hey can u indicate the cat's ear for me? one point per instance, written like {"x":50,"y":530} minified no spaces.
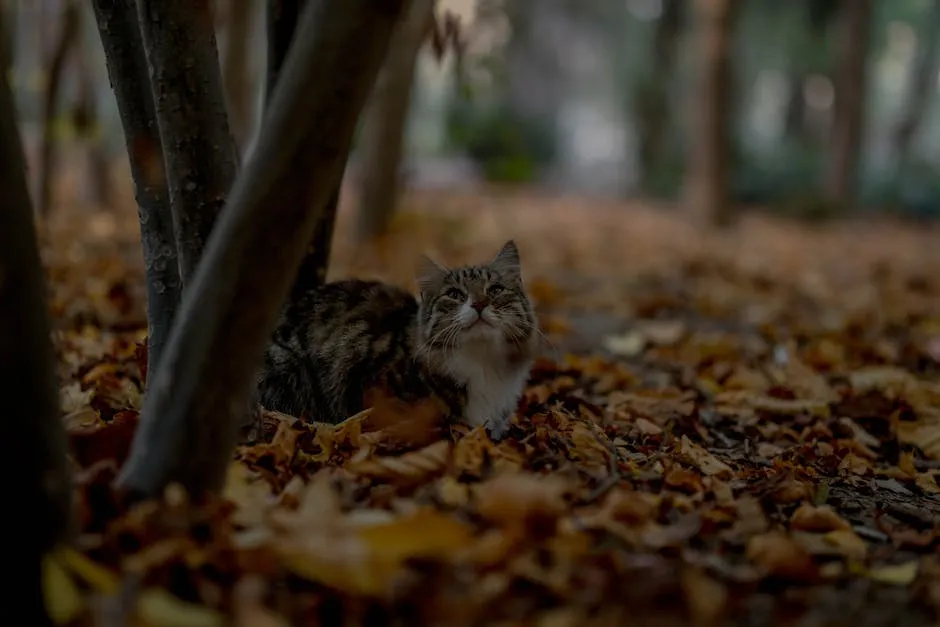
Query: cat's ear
{"x":507,"y":261}
{"x":429,"y":275}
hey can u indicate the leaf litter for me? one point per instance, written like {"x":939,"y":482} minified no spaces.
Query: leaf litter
{"x":725,"y":429}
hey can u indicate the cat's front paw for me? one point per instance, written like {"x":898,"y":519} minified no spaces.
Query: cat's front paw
{"x":498,"y":429}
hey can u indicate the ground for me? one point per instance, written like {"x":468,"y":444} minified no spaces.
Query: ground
{"x":736,"y":428}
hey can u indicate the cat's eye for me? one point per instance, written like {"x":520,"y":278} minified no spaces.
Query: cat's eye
{"x":454,"y":292}
{"x":495,"y":289}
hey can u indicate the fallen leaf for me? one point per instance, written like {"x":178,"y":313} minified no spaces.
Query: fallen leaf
{"x":159,"y":608}
{"x":895,"y":574}
{"x":820,"y":518}
{"x":778,"y":554}
{"x":705,"y":461}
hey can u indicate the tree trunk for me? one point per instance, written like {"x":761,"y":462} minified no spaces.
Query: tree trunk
{"x":652,"y":93}
{"x":283,"y":16}
{"x":385,"y":122}
{"x":919,"y":89}
{"x":708,"y":171}
{"x":35,"y":458}
{"x":127,"y":69}
{"x":193,"y":412}
{"x":848,"y":118}
{"x":68,"y":35}
{"x":9,"y":18}
{"x":199,"y":153}
{"x":238,"y":92}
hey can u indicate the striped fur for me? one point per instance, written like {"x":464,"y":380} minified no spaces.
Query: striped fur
{"x":469,"y":342}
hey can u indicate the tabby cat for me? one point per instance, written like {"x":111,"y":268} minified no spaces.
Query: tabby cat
{"x":468,"y":342}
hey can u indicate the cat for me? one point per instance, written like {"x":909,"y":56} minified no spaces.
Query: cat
{"x":469,"y":342}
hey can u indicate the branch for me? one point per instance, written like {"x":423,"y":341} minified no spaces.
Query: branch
{"x":196,"y":403}
{"x":199,"y":153}
{"x":68,"y":34}
{"x":130,"y":80}
{"x":30,"y":423}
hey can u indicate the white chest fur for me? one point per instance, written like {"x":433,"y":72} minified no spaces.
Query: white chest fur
{"x":493,"y":385}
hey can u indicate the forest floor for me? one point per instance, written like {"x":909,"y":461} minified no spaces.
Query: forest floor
{"x":726,"y":429}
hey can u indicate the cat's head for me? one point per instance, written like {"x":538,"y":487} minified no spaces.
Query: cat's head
{"x":470,"y":306}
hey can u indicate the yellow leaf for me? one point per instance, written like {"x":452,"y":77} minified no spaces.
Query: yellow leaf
{"x":63,"y":600}
{"x":425,"y":533}
{"x":98,"y":577}
{"x":159,"y":608}
{"x":848,"y":543}
{"x":896,"y":574}
{"x":249,"y":492}
{"x":366,"y":559}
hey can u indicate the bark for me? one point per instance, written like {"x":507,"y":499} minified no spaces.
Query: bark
{"x":653,"y":93}
{"x":127,"y":70}
{"x":709,"y":167}
{"x":848,"y":119}
{"x":385,"y":123}
{"x":919,"y":88}
{"x":199,"y":154}
{"x":235,"y":74}
{"x":68,"y":35}
{"x":282,"y":16}
{"x":193,"y":413}
{"x":31,"y":426}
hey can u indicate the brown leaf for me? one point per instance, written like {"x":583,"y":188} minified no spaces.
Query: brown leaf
{"x":778,"y":554}
{"x":705,"y":461}
{"x":823,"y":518}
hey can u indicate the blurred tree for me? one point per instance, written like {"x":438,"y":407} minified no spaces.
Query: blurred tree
{"x":129,"y":75}
{"x":382,"y":138}
{"x":651,"y":94}
{"x":848,"y":117}
{"x":236,"y":75}
{"x":707,"y":182}
{"x":9,"y":17}
{"x":923,"y":71}
{"x":808,"y":57}
{"x":31,"y":423}
{"x":69,"y":32}
{"x":191,"y":414}
{"x":84,"y":118}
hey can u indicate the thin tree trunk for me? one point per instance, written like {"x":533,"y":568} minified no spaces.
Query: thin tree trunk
{"x":282,"y":17}
{"x":97,"y":178}
{"x":238,"y":90}
{"x":193,"y":412}
{"x":385,"y":123}
{"x":127,"y":69}
{"x":10,"y":19}
{"x":919,"y":89}
{"x":68,"y":35}
{"x":848,"y":118}
{"x":199,"y":153}
{"x":652,"y":94}
{"x":30,"y":425}
{"x":708,"y":171}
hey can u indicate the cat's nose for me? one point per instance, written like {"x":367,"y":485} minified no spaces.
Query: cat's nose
{"x":480,"y":305}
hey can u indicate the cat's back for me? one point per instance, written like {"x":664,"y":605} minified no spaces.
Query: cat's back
{"x":351,"y":311}
{"x":331,"y":344}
